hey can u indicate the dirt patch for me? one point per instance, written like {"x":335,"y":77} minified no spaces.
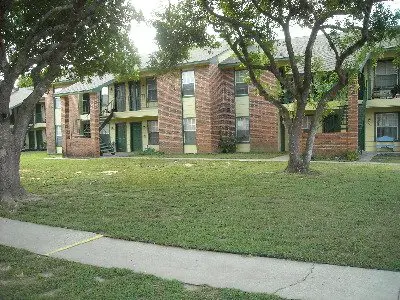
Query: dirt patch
{"x":46,"y":274}
{"x":51,"y":294}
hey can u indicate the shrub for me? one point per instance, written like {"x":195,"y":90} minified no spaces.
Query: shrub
{"x":150,"y":151}
{"x":227,"y":144}
{"x":352,"y":156}
{"x":345,"y":156}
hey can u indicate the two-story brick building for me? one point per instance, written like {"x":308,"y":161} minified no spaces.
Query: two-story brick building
{"x":189,"y":110}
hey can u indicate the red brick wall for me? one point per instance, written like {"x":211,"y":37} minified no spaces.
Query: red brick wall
{"x":95,"y":123}
{"x":170,"y":112}
{"x":264,"y":119}
{"x":79,"y":146}
{"x":223,"y":104}
{"x":50,"y":127}
{"x":204,"y":111}
{"x":338,"y":143}
{"x":75,"y":145}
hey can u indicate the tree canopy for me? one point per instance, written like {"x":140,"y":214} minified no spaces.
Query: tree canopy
{"x":251,"y":27}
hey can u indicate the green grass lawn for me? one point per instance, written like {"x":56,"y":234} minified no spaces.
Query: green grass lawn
{"x":24,"y":275}
{"x":345,"y":214}
{"x":248,"y":155}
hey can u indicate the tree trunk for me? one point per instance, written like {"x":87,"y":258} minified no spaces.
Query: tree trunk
{"x":296,"y":162}
{"x":309,"y":147}
{"x":10,"y":152}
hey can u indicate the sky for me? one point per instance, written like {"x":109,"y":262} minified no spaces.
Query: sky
{"x":143,"y":34}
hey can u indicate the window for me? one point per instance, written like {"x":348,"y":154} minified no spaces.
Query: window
{"x":241,"y":87}
{"x":387,"y":124}
{"x":189,"y":131}
{"x":39,"y":113}
{"x":306,"y":125}
{"x":104,"y":101}
{"x":57,"y":102}
{"x":385,"y":75}
{"x":151,"y":84}
{"x":332,"y":123}
{"x":120,"y":94}
{"x":85,"y":128}
{"x":188,"y":83}
{"x":134,"y":95}
{"x":242,"y":129}
{"x":85,"y":104}
{"x":58,"y":136}
{"x":153,"y":132}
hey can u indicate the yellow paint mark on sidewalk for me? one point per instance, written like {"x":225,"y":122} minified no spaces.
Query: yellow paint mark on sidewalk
{"x":75,"y":244}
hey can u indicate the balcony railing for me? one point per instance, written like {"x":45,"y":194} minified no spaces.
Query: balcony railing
{"x":40,"y":118}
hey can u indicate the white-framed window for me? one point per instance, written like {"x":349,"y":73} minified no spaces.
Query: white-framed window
{"x":85,"y":104}
{"x":189,"y":131}
{"x":385,"y":75}
{"x":58,"y":136}
{"x":243,"y":129}
{"x":152,"y":127}
{"x":387,"y":124}
{"x":241,"y":86}
{"x":151,"y":84}
{"x":188,"y":83}
{"x":306,"y":124}
{"x":57,"y":100}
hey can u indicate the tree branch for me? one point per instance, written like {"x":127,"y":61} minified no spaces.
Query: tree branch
{"x":245,"y":59}
{"x":292,"y":59}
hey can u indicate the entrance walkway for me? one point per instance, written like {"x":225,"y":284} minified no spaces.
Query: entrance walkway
{"x":288,"y":279}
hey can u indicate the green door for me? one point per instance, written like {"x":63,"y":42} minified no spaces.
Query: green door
{"x":31,"y":136}
{"x":136,"y":136}
{"x":120,"y":137}
{"x":120,"y":101}
{"x":39,"y":140}
{"x":38,"y":113}
{"x":134,"y":95}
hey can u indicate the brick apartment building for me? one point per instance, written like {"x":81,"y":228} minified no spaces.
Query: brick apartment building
{"x":190,"y":109}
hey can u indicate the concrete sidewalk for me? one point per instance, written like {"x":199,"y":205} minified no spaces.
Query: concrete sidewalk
{"x":288,"y":279}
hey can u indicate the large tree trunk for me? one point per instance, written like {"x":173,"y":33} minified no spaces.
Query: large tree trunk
{"x":296,"y":163}
{"x":10,"y":151}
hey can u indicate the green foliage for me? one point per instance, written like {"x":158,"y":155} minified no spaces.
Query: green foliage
{"x":178,"y":33}
{"x":227,"y":144}
{"x":150,"y":151}
{"x":93,"y":35}
{"x":352,"y":156}
{"x":25,"y":81}
{"x":345,"y":156}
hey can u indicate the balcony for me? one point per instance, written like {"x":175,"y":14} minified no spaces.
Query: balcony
{"x":385,"y":97}
{"x":145,"y":108}
{"x":38,"y":120}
